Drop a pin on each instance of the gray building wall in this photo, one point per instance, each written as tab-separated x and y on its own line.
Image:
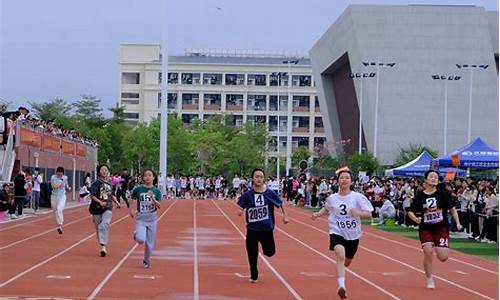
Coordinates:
422	41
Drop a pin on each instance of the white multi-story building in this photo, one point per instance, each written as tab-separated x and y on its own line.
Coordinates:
242	85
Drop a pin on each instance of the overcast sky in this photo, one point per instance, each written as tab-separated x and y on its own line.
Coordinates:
65	48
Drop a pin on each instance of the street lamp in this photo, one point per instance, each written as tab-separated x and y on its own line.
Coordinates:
278	75
289	63
471	68
362	77
446	79
378	65
164	99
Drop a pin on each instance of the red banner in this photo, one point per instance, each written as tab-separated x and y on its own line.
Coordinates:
81	150
31	137
68	148
51	143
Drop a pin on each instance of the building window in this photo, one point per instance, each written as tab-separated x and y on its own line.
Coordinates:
316	104
256	102
318	122
273	80
128	115
190	101
212	79
171	101
130	98
208	116
212	101
130	78
301	80
235	79
300	124
190	78
256	119
273	102
173	78
234	102
187	119
256	79
234	120
300	103
300	141
273	145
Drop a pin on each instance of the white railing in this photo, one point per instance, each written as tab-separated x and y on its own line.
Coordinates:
9	157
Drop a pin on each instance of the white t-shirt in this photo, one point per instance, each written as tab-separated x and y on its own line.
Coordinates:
236	183
36	183
340	220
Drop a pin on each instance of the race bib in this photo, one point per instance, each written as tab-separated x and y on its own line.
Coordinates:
146	204
346	223
433	217
256	214
258	199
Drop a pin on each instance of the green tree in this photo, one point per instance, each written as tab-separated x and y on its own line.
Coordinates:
325	165
301	153
363	162
88	107
412	151
50	110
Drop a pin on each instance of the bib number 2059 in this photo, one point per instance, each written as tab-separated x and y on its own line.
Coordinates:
256	214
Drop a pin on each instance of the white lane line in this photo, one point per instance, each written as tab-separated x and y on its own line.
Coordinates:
120	263
40	234
412	247
53	257
39	219
391	295
404	264
285	283
196	289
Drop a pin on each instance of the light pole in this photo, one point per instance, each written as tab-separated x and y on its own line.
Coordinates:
278	75
362	77
289	63
471	68
378	65
446	79
164	99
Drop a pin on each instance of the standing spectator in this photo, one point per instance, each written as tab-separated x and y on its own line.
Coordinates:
35	196
28	186
19	196
59	183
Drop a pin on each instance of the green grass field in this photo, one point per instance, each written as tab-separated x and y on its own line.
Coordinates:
488	251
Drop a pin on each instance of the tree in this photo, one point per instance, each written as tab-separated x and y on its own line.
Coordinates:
88	107
363	162
118	113
301	153
325	165
51	110
412	151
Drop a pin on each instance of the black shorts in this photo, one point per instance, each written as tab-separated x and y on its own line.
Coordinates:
351	246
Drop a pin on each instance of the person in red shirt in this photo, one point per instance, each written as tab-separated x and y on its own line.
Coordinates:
429	210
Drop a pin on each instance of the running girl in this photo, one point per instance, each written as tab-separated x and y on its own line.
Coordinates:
259	203
345	210
148	199
432	206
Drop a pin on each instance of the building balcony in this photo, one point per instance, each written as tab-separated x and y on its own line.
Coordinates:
317	109
190	106
212	107
319	130
230	107
301	109
300	129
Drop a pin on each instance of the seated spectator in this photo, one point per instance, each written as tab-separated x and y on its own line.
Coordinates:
5	201
387	211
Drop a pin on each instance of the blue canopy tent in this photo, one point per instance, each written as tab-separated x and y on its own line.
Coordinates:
475	155
419	166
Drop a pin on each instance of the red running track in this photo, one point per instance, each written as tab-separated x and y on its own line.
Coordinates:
200	254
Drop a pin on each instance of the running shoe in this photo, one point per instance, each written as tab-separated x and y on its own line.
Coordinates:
103	251
59	230
342	293
430	283
146	264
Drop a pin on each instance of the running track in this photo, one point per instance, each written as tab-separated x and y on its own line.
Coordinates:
200	254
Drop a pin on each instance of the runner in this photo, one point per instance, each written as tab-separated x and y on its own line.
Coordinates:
259	203
148	199
345	210
59	183
101	206
431	205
